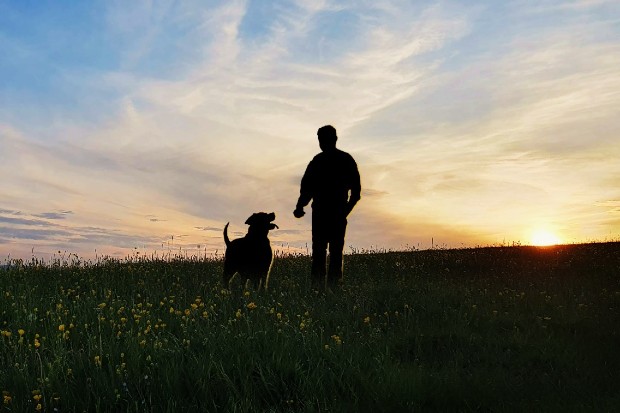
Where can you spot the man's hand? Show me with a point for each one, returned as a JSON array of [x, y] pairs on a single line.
[[349, 207], [299, 212]]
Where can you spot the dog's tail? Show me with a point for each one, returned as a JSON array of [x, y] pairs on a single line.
[[226, 239]]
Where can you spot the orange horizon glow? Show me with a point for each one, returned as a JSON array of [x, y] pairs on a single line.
[[544, 238]]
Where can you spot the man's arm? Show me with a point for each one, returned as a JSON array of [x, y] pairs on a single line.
[[356, 187], [306, 191]]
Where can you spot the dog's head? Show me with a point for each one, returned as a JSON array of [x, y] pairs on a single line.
[[262, 220]]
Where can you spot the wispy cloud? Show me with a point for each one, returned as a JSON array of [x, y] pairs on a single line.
[[54, 215], [217, 229], [25, 221], [568, 5]]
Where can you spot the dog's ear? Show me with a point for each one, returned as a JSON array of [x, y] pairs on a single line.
[[251, 220]]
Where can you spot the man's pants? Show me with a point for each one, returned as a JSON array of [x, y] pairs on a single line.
[[327, 230]]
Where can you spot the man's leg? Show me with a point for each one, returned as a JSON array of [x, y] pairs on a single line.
[[319, 251], [336, 247]]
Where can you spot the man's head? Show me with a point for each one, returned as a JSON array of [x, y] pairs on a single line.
[[327, 137]]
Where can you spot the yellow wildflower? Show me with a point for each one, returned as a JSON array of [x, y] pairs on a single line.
[[21, 332], [61, 328], [367, 320], [6, 397], [252, 306]]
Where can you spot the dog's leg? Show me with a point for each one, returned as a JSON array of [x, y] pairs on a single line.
[[229, 271], [227, 278]]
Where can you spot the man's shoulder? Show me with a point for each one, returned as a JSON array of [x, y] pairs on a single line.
[[335, 155], [346, 156]]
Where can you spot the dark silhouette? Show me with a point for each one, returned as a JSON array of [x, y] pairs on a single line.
[[250, 256], [332, 182]]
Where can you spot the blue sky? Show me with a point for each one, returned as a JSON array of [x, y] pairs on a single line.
[[125, 124]]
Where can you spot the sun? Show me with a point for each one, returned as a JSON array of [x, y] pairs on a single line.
[[543, 238]]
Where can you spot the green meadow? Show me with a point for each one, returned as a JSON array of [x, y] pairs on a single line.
[[501, 329]]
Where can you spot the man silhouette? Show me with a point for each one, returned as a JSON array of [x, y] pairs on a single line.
[[332, 182]]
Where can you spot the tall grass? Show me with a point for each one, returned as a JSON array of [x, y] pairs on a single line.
[[491, 329]]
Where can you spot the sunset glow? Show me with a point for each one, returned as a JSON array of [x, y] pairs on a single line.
[[542, 238]]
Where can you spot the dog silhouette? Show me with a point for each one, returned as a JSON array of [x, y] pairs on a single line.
[[250, 256]]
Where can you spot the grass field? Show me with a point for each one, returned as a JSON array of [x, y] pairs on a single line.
[[489, 329]]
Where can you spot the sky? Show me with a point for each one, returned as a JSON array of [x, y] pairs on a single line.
[[143, 127]]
